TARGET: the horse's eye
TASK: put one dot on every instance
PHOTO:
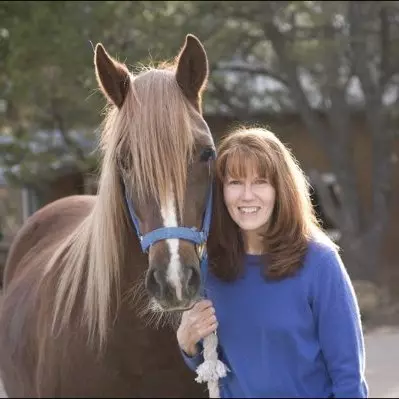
(207, 154)
(124, 162)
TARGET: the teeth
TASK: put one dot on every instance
(252, 209)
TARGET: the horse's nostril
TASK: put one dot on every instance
(154, 283)
(157, 276)
(189, 274)
(193, 278)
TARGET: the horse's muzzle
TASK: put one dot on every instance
(174, 290)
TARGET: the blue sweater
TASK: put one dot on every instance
(297, 337)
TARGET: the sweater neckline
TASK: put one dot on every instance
(253, 260)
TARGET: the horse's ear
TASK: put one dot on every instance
(192, 69)
(112, 76)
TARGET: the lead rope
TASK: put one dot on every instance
(212, 368)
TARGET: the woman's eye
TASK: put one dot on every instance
(207, 154)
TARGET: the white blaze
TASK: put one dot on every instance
(168, 213)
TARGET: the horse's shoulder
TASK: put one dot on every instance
(58, 214)
(71, 204)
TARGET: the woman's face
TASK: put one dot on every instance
(249, 201)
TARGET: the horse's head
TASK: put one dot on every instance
(162, 148)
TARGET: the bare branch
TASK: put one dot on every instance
(385, 39)
(251, 69)
(225, 97)
(71, 145)
(291, 70)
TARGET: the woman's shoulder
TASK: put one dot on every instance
(320, 247)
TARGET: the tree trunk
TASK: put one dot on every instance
(361, 257)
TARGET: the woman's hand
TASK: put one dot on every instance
(196, 324)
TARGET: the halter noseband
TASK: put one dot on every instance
(164, 233)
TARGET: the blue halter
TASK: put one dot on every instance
(186, 233)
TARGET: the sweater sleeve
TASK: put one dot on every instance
(193, 361)
(339, 327)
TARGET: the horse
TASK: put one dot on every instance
(94, 285)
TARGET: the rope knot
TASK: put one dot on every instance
(212, 368)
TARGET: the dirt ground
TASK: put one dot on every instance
(382, 362)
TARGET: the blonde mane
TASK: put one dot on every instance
(151, 137)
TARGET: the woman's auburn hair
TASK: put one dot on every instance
(293, 221)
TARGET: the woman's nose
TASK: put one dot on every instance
(248, 192)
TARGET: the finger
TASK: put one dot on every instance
(196, 309)
(201, 313)
(204, 323)
(202, 304)
(211, 320)
(204, 332)
(199, 328)
(204, 310)
(206, 315)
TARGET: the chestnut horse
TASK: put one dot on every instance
(81, 289)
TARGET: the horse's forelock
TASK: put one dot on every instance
(156, 133)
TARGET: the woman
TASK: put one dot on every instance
(285, 311)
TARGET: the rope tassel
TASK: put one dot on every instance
(212, 368)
